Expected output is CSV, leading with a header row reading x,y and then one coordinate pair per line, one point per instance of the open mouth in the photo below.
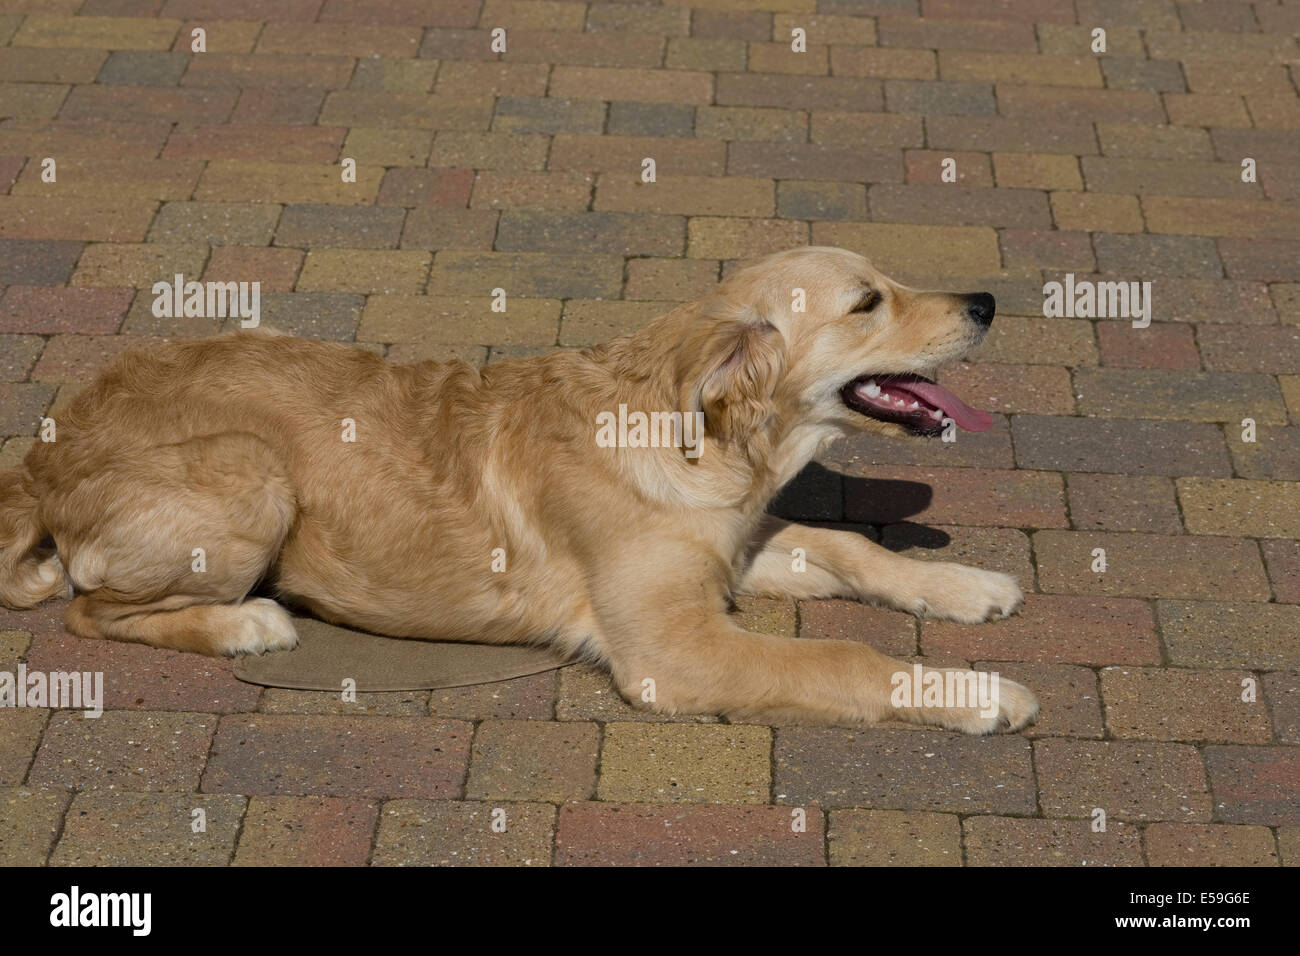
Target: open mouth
x,y
913,401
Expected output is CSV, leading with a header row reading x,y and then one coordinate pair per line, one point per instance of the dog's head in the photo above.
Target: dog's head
x,y
817,336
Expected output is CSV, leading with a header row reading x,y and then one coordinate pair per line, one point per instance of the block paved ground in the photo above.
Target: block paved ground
x,y
477,170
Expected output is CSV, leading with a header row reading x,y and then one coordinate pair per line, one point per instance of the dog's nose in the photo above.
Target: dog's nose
x,y
980,307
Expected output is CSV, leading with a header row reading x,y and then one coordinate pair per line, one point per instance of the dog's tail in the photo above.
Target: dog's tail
x,y
28,573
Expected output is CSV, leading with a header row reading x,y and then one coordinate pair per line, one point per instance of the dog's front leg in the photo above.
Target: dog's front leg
x,y
790,560
673,649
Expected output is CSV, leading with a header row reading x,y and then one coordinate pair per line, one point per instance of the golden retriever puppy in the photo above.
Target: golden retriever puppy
x,y
607,501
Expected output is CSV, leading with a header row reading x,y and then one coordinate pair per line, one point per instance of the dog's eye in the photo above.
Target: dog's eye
x,y
869,302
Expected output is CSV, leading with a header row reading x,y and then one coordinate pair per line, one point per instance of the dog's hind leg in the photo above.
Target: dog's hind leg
x,y
790,560
163,547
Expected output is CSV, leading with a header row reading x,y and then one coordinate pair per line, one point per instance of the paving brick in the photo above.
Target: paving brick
x,y
882,130
523,698
391,75
781,58
903,770
933,98
372,757
1096,212
645,835
698,195
1151,256
957,496
438,228
19,745
891,632
427,187
43,65
97,33
41,138
137,677
21,407
562,190
668,21
1021,11
407,110
650,119
1046,248
257,143
339,39
1037,171
927,166
1053,629
1123,503
1160,345
589,694
533,760
368,271
846,93
673,157
109,828
660,279
886,63
590,232
1178,395
221,224
893,838
1265,259
306,831
1255,785
105,220
1282,696
527,274
1231,349
682,763
138,104
1230,634
1205,844
1169,150
1290,385
266,72
592,322
489,150
455,833
1244,218
48,311
1260,509
18,353
727,238
354,227
138,264
1206,109
496,78
1139,73
278,107
1007,841
29,823
1148,565
1001,134
907,252
37,262
329,316
279,700
1067,693
519,114
240,181
1028,68
991,35
800,199
1061,39
148,750
1283,561
443,320
1181,704
943,205
997,549
812,161
1132,781
825,29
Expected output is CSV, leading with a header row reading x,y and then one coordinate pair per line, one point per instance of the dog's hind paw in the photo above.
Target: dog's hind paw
x,y
966,595
263,626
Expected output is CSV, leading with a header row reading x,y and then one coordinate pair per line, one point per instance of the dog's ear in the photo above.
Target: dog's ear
x,y
738,363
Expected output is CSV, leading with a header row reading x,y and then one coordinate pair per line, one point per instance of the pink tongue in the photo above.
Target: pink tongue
x,y
971,419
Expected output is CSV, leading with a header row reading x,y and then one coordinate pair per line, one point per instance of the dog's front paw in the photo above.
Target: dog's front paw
x,y
263,626
966,595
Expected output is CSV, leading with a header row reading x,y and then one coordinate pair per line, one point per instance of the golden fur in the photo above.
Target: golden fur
x,y
235,445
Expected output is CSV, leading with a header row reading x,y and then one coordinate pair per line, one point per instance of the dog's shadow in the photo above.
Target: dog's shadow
x,y
818,495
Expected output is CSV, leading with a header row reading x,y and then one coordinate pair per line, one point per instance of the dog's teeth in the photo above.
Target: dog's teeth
x,y
936,414
914,405
872,390
899,402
